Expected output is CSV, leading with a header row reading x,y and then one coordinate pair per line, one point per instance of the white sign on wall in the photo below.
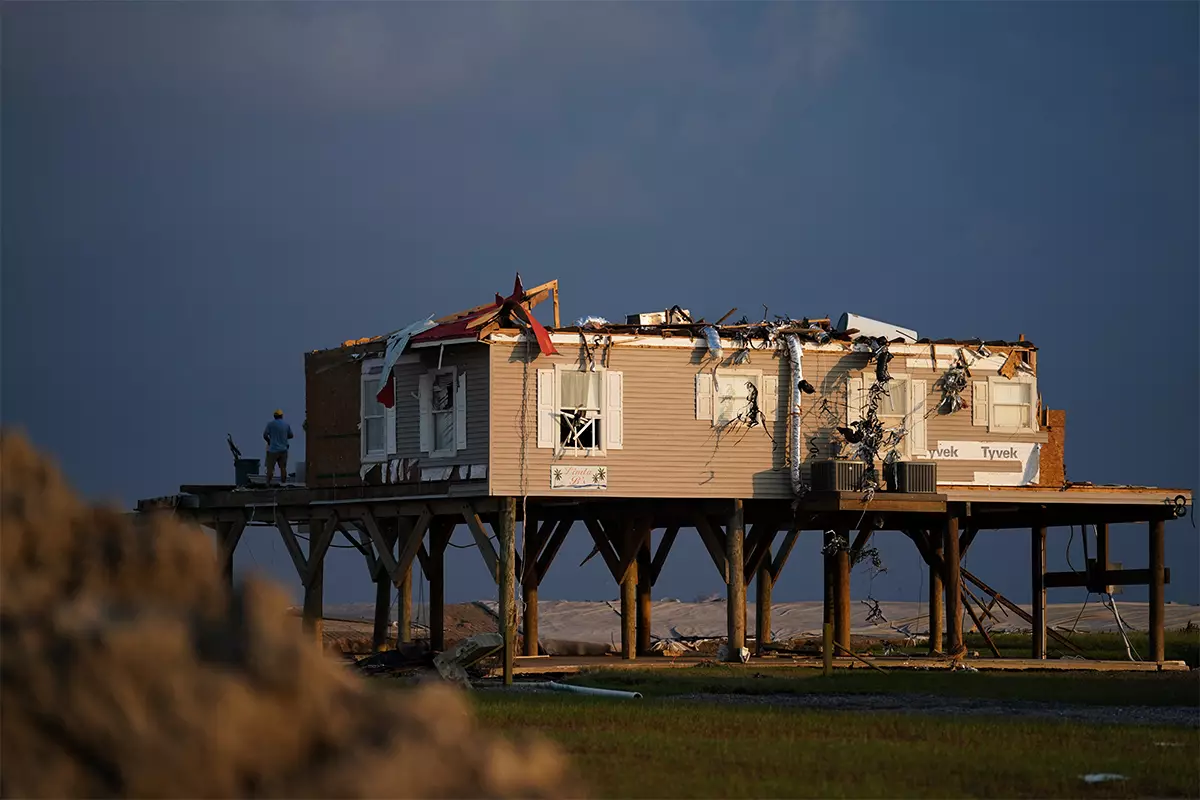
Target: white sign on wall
x,y
578,476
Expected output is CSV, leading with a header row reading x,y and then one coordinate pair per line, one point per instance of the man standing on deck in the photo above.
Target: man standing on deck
x,y
276,435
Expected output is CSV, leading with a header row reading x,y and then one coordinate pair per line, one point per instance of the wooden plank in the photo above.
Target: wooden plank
x,y
383,551
761,553
964,541
1020,612
660,555
1112,577
633,537
714,545
600,537
319,541
482,541
966,601
860,541
553,545
229,543
293,546
785,550
411,539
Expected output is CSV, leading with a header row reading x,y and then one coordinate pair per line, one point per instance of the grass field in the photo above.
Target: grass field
x,y
1097,688
1179,645
663,748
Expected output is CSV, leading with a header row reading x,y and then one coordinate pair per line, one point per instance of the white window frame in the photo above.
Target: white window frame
x,y
736,377
458,397
708,392
993,381
368,384
915,443
611,413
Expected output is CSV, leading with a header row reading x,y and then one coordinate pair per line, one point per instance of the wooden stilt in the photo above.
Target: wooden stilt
x,y
314,593
734,555
383,608
936,608
953,588
1157,594
404,604
1037,546
645,580
507,530
438,540
828,561
762,606
529,593
841,591
629,612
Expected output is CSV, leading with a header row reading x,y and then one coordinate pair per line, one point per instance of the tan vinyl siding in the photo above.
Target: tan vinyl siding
x,y
470,359
666,451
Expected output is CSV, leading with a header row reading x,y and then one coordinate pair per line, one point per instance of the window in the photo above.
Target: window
x,y
377,423
1005,405
904,405
580,412
443,401
727,397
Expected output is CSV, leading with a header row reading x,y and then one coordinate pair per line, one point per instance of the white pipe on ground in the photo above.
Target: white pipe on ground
x,y
795,354
566,687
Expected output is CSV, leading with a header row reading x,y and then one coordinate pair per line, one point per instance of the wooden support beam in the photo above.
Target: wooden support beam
x,y
293,546
713,543
828,579
1099,585
953,589
482,541
660,555
764,535
1037,547
1157,594
1020,612
383,608
644,582
320,536
762,604
841,593
313,614
404,605
735,558
604,545
529,594
410,536
785,550
1112,577
554,543
507,534
965,540
860,542
439,539
628,583
936,607
228,536
979,624
628,542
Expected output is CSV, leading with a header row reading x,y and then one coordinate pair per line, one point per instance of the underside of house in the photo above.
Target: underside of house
x,y
747,431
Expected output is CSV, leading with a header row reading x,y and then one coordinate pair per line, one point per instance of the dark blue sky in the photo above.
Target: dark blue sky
x,y
194,194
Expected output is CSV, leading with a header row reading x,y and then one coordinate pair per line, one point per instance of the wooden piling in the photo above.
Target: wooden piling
x,y
508,581
936,608
644,598
404,607
827,648
953,588
736,594
827,564
1038,582
439,536
529,595
314,602
383,608
841,591
1157,594
629,612
762,606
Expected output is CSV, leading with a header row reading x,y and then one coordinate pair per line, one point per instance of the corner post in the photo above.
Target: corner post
x,y
644,575
439,537
314,591
1038,577
936,610
1157,593
736,588
508,581
953,588
841,591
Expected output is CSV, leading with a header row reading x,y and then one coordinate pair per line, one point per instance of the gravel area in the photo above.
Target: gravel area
x,y
1175,716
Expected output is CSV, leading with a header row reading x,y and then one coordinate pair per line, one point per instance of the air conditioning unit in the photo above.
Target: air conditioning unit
x,y
910,476
837,476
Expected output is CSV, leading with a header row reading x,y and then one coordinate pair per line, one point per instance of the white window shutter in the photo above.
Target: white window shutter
x,y
389,422
614,421
768,401
918,445
425,400
547,428
704,396
979,403
854,399
460,411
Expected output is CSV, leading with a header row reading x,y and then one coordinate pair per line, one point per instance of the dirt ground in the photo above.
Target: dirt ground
x,y
128,668
354,637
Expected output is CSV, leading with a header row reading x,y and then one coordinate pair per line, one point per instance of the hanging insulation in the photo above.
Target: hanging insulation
x,y
795,354
714,341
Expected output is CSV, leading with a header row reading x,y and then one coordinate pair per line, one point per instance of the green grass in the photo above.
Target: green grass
x,y
1179,645
654,748
1099,688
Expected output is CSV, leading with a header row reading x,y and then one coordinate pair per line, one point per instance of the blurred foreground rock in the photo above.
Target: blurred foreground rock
x,y
127,669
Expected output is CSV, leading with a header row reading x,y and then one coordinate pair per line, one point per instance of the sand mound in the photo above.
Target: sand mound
x,y
127,669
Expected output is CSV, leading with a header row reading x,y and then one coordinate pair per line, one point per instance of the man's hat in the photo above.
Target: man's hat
x,y
278,413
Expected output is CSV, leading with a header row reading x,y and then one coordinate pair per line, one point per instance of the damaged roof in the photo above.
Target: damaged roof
x,y
514,314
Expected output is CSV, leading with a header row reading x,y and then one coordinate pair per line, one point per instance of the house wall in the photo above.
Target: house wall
x,y
667,452
472,363
331,399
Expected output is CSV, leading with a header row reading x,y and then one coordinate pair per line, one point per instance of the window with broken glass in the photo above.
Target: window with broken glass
x,y
373,417
442,404
579,410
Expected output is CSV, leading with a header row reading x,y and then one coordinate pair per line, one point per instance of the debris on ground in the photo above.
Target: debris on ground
x,y
453,664
1102,777
128,668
